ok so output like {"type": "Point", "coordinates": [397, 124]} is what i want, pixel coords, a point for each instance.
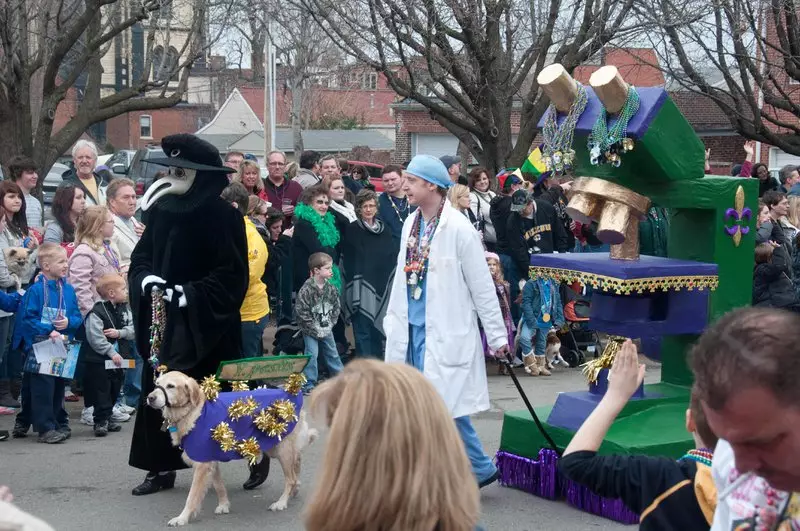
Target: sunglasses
{"type": "Point", "coordinates": [321, 202]}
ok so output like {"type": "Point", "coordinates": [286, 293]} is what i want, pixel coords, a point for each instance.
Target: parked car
{"type": "Point", "coordinates": [52, 181]}
{"type": "Point", "coordinates": [143, 173]}
{"type": "Point", "coordinates": [374, 171]}
{"type": "Point", "coordinates": [120, 162]}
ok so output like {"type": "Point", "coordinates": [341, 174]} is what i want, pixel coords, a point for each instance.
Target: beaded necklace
{"type": "Point", "coordinates": [158, 323]}
{"type": "Point", "coordinates": [399, 211]}
{"type": "Point", "coordinates": [46, 296]}
{"type": "Point", "coordinates": [702, 455]}
{"type": "Point", "coordinates": [557, 153]}
{"type": "Point", "coordinates": [111, 255]}
{"type": "Point", "coordinates": [418, 249]}
{"type": "Point", "coordinates": [607, 145]}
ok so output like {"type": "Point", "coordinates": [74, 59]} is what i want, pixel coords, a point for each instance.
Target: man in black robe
{"type": "Point", "coordinates": [194, 252]}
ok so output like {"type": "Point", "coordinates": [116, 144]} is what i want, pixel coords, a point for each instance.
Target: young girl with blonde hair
{"type": "Point", "coordinates": [94, 255]}
{"type": "Point", "coordinates": [394, 460]}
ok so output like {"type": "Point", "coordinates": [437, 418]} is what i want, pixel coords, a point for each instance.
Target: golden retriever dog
{"type": "Point", "coordinates": [186, 401]}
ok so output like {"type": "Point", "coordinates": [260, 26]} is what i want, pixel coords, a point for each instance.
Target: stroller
{"type": "Point", "coordinates": [577, 340]}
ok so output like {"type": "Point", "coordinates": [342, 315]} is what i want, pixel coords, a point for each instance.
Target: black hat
{"type": "Point", "coordinates": [520, 199]}
{"type": "Point", "coordinates": [187, 151]}
{"type": "Point", "coordinates": [449, 160]}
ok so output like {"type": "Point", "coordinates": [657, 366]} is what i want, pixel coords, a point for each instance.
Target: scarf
{"type": "Point", "coordinates": [346, 209]}
{"type": "Point", "coordinates": [327, 233]}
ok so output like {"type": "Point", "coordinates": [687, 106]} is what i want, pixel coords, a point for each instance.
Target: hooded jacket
{"type": "Point", "coordinates": [541, 234]}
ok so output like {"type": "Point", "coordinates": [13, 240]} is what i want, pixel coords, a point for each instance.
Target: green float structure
{"type": "Point", "coordinates": [665, 302]}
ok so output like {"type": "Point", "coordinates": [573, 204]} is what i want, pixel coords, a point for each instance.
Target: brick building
{"type": "Point", "coordinates": [418, 132]}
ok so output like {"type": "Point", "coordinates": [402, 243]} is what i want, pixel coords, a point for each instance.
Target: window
{"type": "Point", "coordinates": [145, 126]}
{"type": "Point", "coordinates": [165, 67]}
{"type": "Point", "coordinates": [369, 81]}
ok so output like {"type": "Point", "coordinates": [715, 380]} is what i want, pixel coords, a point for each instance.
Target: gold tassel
{"type": "Point", "coordinates": [240, 386]}
{"type": "Point", "coordinates": [210, 387]}
{"type": "Point", "coordinates": [249, 449]}
{"type": "Point", "coordinates": [591, 369]}
{"type": "Point", "coordinates": [223, 434]}
{"type": "Point", "coordinates": [294, 383]}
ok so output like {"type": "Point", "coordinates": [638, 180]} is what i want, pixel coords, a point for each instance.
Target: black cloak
{"type": "Point", "coordinates": [203, 249]}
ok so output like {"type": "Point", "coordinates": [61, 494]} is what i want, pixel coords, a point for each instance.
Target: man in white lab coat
{"type": "Point", "coordinates": [441, 286]}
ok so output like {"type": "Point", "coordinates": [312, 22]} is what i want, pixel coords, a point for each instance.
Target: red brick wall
{"type": "Point", "coordinates": [726, 152]}
{"type": "Point", "coordinates": [123, 131]}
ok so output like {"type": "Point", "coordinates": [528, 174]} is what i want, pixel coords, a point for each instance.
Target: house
{"type": "Point", "coordinates": [777, 54]}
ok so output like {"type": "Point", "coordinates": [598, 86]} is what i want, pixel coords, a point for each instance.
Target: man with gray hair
{"type": "Point", "coordinates": [746, 368]}
{"type": "Point", "coordinates": [790, 179]}
{"type": "Point", "coordinates": [84, 159]}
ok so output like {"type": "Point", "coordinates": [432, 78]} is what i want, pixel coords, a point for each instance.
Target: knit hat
{"type": "Point", "coordinates": [520, 199]}
{"type": "Point", "coordinates": [491, 255]}
{"type": "Point", "coordinates": [430, 169]}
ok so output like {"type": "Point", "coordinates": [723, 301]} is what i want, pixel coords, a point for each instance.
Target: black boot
{"type": "Point", "coordinates": [258, 474]}
{"type": "Point", "coordinates": [155, 482]}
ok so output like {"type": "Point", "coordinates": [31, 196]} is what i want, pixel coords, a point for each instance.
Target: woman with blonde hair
{"type": "Point", "coordinates": [459, 198]}
{"type": "Point", "coordinates": [394, 460]}
{"type": "Point", "coordinates": [249, 175]}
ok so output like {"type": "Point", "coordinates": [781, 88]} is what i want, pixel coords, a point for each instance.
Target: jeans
{"type": "Point", "coordinates": [132, 386]}
{"type": "Point", "coordinates": [47, 403]}
{"type": "Point", "coordinates": [538, 335]}
{"type": "Point", "coordinates": [5, 349]}
{"type": "Point", "coordinates": [369, 340]}
{"type": "Point", "coordinates": [415, 356]}
{"type": "Point", "coordinates": [482, 465]}
{"type": "Point", "coordinates": [251, 337]}
{"type": "Point", "coordinates": [102, 388]}
{"type": "Point", "coordinates": [24, 417]}
{"type": "Point", "coordinates": [325, 347]}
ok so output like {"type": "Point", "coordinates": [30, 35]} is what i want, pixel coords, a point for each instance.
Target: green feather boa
{"type": "Point", "coordinates": [327, 233]}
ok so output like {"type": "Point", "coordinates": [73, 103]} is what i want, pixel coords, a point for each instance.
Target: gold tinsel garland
{"type": "Point", "coordinates": [591, 369]}
{"type": "Point", "coordinates": [242, 408]}
{"type": "Point", "coordinates": [210, 387]}
{"type": "Point", "coordinates": [249, 449]}
{"type": "Point", "coordinates": [622, 286]}
{"type": "Point", "coordinates": [223, 434]}
{"type": "Point", "coordinates": [284, 410]}
{"type": "Point", "coordinates": [294, 383]}
{"type": "Point", "coordinates": [240, 386]}
{"type": "Point", "coordinates": [267, 422]}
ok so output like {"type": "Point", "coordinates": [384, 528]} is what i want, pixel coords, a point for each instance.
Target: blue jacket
{"type": "Point", "coordinates": [30, 321]}
{"type": "Point", "coordinates": [532, 305]}
{"type": "Point", "coordinates": [9, 302]}
{"type": "Point", "coordinates": [390, 217]}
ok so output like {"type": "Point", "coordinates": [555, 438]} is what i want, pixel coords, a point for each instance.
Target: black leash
{"type": "Point", "coordinates": [509, 363]}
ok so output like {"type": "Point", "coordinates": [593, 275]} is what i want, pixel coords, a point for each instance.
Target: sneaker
{"type": "Point", "coordinates": [7, 411]}
{"type": "Point", "coordinates": [87, 416]}
{"type": "Point", "coordinates": [128, 410]}
{"type": "Point", "coordinates": [20, 431]}
{"type": "Point", "coordinates": [113, 427]}
{"type": "Point", "coordinates": [66, 430]}
{"type": "Point", "coordinates": [119, 416]}
{"type": "Point", "coordinates": [101, 430]}
{"type": "Point", "coordinates": [52, 437]}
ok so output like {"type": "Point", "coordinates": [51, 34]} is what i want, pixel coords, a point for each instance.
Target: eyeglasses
{"type": "Point", "coordinates": [321, 202]}
{"type": "Point", "coordinates": [277, 164]}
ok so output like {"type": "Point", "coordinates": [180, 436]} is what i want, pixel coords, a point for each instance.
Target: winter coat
{"type": "Point", "coordinates": [542, 234]}
{"type": "Point", "coordinates": [86, 267]}
{"type": "Point", "coordinates": [71, 177]}
{"type": "Point", "coordinates": [317, 310]}
{"type": "Point", "coordinates": [33, 320]}
{"type": "Point", "coordinates": [772, 285]}
{"type": "Point", "coordinates": [96, 347]}
{"type": "Point", "coordinates": [558, 199]}
{"type": "Point", "coordinates": [306, 242]}
{"type": "Point", "coordinates": [480, 204]}
{"type": "Point", "coordinates": [499, 211]}
{"type": "Point", "coordinates": [459, 290]}
{"type": "Point", "coordinates": [532, 305]}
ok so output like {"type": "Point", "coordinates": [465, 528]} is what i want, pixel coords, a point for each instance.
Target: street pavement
{"type": "Point", "coordinates": [84, 484]}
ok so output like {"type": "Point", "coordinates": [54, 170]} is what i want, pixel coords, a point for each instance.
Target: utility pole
{"type": "Point", "coordinates": [268, 141]}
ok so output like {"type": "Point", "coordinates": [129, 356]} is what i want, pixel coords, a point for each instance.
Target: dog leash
{"type": "Point", "coordinates": [509, 363]}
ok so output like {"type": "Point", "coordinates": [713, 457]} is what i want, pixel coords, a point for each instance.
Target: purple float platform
{"type": "Point", "coordinates": [650, 297]}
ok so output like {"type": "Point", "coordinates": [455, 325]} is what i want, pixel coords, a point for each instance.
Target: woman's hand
{"type": "Point", "coordinates": [289, 232]}
{"type": "Point", "coordinates": [750, 149]}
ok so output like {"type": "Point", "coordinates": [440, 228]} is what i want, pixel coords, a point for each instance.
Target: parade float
{"type": "Point", "coordinates": [632, 148]}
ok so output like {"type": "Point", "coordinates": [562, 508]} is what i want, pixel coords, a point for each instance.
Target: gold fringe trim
{"type": "Point", "coordinates": [622, 286]}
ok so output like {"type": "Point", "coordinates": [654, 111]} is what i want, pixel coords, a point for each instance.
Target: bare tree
{"type": "Point", "coordinates": [470, 62]}
{"type": "Point", "coordinates": [742, 54]}
{"type": "Point", "coordinates": [51, 54]}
